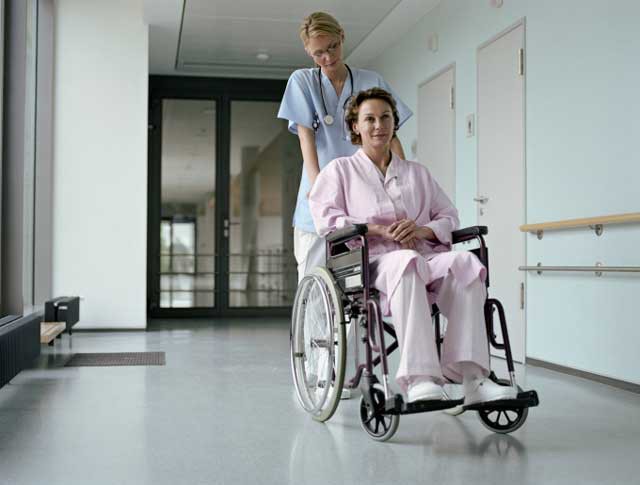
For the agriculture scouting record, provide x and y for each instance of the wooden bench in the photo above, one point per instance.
(50, 330)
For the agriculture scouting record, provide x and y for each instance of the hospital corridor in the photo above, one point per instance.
(319, 242)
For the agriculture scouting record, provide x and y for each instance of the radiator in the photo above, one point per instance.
(19, 344)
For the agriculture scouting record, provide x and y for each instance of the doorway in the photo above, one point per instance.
(501, 172)
(223, 175)
(436, 128)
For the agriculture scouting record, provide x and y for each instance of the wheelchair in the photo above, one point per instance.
(330, 299)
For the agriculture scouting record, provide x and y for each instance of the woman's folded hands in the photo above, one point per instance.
(404, 231)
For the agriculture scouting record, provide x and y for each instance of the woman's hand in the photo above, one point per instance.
(405, 232)
(379, 230)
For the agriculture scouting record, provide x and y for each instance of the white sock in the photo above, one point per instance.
(413, 380)
(472, 373)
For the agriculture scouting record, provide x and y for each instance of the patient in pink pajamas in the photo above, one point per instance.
(410, 220)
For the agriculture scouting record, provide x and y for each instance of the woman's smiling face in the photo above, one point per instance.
(375, 123)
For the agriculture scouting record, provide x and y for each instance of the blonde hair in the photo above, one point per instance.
(319, 23)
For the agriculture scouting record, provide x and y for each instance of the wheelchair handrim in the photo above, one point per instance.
(311, 405)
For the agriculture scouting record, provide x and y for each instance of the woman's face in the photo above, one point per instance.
(326, 51)
(375, 123)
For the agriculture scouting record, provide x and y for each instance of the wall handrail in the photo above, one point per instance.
(595, 223)
(598, 269)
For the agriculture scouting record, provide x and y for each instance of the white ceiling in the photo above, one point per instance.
(223, 37)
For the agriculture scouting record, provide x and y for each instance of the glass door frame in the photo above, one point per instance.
(223, 91)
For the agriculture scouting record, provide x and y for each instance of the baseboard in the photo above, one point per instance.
(627, 386)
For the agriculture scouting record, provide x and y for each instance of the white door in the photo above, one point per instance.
(436, 128)
(501, 174)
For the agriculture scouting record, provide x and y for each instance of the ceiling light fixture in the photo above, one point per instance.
(263, 56)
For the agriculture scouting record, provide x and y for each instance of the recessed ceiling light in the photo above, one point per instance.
(263, 56)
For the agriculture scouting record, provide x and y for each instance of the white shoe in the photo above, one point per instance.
(425, 391)
(346, 393)
(485, 390)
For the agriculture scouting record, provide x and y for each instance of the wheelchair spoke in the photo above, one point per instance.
(386, 422)
(501, 414)
(320, 343)
(378, 420)
(369, 419)
(317, 345)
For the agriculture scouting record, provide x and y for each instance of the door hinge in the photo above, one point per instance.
(452, 102)
(521, 61)
(521, 296)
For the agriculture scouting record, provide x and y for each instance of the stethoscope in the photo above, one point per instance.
(327, 118)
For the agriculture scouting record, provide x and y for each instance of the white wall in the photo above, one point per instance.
(582, 159)
(100, 159)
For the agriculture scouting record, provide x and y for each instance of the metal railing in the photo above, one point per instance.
(264, 277)
(597, 269)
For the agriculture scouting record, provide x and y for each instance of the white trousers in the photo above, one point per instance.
(465, 339)
(309, 251)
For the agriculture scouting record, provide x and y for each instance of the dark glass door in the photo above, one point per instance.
(223, 179)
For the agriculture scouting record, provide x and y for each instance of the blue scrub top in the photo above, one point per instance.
(302, 105)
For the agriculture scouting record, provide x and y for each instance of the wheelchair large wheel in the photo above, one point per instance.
(504, 421)
(318, 344)
(379, 426)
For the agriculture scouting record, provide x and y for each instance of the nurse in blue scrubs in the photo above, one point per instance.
(314, 105)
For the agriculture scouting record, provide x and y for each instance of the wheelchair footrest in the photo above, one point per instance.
(525, 399)
(396, 405)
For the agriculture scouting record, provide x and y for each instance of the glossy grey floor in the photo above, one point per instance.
(222, 411)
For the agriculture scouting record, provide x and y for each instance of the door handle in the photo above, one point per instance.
(481, 199)
(227, 224)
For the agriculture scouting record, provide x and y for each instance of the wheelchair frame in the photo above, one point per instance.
(350, 270)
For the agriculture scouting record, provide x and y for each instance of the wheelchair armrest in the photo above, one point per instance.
(347, 233)
(468, 233)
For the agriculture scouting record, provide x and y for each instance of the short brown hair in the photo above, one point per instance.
(319, 23)
(354, 107)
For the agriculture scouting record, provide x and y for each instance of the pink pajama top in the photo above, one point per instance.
(352, 190)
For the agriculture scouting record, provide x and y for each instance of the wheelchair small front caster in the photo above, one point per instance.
(378, 425)
(504, 420)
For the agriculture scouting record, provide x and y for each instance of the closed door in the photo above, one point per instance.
(501, 173)
(436, 129)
